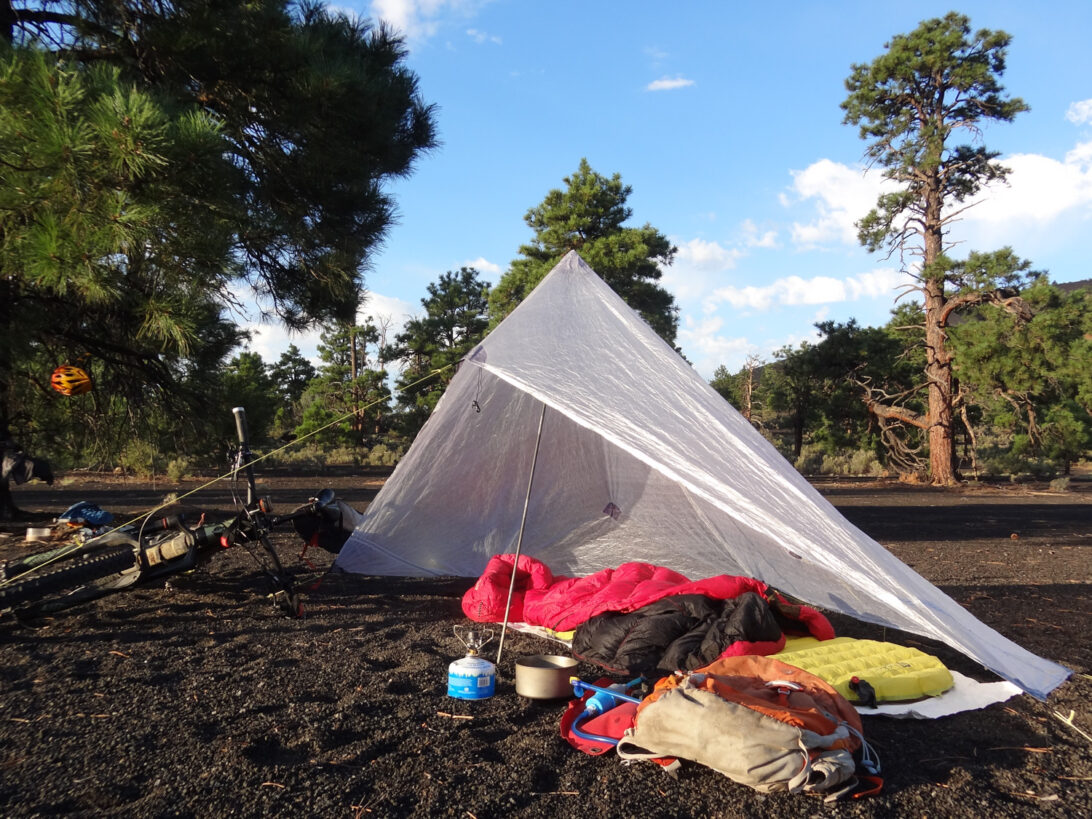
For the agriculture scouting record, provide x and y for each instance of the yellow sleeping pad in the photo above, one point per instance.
(895, 672)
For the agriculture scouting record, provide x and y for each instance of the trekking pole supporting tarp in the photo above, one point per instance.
(519, 540)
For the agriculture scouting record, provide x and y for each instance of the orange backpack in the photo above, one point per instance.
(758, 721)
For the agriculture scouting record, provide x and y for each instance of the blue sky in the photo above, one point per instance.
(724, 118)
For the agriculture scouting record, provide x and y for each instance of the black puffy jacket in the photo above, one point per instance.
(681, 632)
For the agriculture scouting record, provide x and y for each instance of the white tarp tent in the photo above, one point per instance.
(637, 459)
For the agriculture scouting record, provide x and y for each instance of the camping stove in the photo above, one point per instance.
(472, 678)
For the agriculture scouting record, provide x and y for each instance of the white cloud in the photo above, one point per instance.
(1079, 112)
(752, 237)
(1039, 189)
(707, 349)
(707, 255)
(795, 290)
(698, 268)
(483, 265)
(482, 37)
(668, 84)
(378, 306)
(269, 340)
(422, 19)
(699, 264)
(843, 196)
(1080, 155)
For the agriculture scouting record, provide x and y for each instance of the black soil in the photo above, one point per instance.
(197, 699)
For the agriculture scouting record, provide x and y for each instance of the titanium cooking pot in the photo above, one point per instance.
(545, 676)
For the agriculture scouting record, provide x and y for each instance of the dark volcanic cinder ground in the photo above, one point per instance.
(198, 700)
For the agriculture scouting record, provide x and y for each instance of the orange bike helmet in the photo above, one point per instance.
(69, 380)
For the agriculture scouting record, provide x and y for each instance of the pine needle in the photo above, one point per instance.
(1069, 721)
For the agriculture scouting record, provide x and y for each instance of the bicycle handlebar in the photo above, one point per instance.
(144, 552)
(150, 527)
(240, 424)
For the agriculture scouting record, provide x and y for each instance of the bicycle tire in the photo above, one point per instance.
(282, 590)
(67, 576)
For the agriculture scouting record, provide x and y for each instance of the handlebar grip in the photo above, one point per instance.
(240, 423)
(163, 524)
(208, 535)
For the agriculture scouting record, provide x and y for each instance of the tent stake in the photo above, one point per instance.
(519, 540)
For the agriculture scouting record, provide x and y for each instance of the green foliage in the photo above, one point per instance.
(154, 155)
(727, 384)
(291, 375)
(983, 276)
(347, 400)
(382, 455)
(1059, 485)
(142, 459)
(179, 468)
(1028, 372)
(247, 384)
(809, 461)
(1022, 373)
(321, 424)
(309, 456)
(909, 102)
(316, 112)
(816, 459)
(588, 216)
(429, 347)
(88, 196)
(743, 390)
(72, 140)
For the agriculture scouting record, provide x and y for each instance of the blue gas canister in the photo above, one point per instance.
(472, 678)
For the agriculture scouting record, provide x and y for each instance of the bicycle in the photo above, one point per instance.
(67, 576)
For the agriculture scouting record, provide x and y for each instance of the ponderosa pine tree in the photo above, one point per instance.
(85, 201)
(455, 320)
(350, 388)
(1031, 380)
(910, 104)
(229, 144)
(589, 216)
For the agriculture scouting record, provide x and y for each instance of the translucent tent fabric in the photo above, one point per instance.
(637, 459)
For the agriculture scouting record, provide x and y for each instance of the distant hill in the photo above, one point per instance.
(1069, 287)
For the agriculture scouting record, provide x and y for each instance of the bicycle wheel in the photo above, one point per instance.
(67, 575)
(282, 590)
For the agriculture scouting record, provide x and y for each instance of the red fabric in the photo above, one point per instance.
(763, 647)
(562, 603)
(485, 600)
(612, 723)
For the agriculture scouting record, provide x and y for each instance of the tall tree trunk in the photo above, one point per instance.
(938, 366)
(747, 389)
(797, 433)
(7, 21)
(938, 370)
(7, 363)
(357, 423)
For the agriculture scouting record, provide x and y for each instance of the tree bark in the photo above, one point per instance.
(938, 366)
(7, 21)
(938, 371)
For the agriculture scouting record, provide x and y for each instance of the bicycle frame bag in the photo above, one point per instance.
(758, 721)
(328, 529)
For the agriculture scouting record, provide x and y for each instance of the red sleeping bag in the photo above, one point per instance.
(563, 603)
